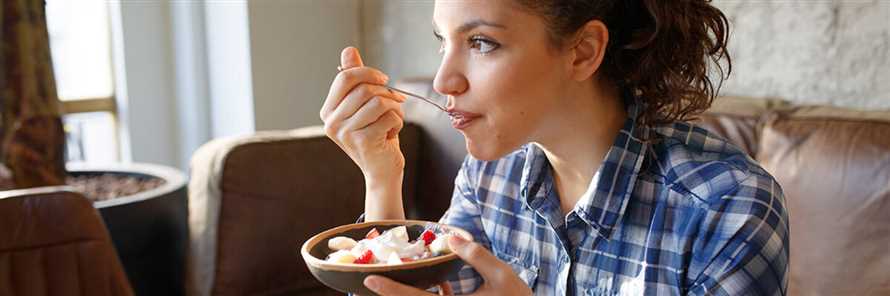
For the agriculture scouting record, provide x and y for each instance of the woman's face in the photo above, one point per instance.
(501, 76)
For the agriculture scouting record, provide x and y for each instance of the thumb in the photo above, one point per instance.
(474, 254)
(350, 58)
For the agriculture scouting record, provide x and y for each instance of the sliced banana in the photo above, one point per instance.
(341, 243)
(439, 245)
(342, 256)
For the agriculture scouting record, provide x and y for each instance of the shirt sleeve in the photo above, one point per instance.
(742, 245)
(465, 213)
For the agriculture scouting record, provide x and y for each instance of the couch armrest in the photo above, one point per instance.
(254, 200)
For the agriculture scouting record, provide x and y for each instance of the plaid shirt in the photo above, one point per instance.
(682, 213)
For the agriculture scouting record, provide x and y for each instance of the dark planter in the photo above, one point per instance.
(149, 229)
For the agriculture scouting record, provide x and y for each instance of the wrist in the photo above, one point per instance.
(383, 199)
(384, 183)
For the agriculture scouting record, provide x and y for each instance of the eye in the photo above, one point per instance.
(483, 44)
(441, 41)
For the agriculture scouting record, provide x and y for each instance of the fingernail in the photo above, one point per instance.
(372, 283)
(457, 241)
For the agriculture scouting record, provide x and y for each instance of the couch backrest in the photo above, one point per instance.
(739, 120)
(254, 200)
(834, 165)
(53, 242)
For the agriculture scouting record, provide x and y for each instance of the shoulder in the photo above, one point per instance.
(707, 168)
(738, 203)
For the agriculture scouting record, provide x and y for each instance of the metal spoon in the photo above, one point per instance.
(425, 99)
(417, 96)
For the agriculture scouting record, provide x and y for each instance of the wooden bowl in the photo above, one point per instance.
(348, 277)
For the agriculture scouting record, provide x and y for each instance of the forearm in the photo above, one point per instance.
(383, 199)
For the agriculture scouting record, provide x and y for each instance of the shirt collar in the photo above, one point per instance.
(606, 200)
(536, 181)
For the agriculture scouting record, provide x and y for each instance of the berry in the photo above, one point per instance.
(366, 258)
(428, 237)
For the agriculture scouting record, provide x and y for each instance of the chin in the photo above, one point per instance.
(488, 150)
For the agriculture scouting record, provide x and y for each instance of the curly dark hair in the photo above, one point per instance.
(660, 51)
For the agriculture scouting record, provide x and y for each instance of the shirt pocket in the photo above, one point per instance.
(524, 269)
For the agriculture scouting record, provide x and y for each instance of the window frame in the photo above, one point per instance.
(105, 104)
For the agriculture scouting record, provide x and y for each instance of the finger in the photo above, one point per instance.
(395, 123)
(486, 264)
(389, 125)
(358, 98)
(445, 289)
(372, 113)
(385, 286)
(350, 58)
(345, 82)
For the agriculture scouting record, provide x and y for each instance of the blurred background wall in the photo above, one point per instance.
(295, 53)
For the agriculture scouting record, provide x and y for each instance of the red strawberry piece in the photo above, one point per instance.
(427, 236)
(366, 257)
(372, 234)
(406, 259)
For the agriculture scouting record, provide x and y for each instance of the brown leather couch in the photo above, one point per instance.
(53, 242)
(255, 199)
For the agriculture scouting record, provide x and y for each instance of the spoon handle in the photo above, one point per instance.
(417, 96)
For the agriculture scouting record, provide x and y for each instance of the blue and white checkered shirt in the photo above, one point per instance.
(682, 213)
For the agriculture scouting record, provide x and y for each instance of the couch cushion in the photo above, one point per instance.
(834, 166)
(272, 191)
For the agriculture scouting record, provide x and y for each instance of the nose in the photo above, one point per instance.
(450, 81)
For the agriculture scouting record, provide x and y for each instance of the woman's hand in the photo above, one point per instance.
(498, 276)
(364, 118)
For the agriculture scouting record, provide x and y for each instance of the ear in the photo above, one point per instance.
(589, 49)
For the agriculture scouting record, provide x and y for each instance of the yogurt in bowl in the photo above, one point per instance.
(392, 247)
(399, 252)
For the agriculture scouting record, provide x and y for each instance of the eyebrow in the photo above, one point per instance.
(466, 27)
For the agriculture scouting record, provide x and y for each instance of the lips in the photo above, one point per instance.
(462, 119)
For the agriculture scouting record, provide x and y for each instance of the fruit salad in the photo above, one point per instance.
(391, 247)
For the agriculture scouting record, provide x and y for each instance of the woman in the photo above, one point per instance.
(582, 178)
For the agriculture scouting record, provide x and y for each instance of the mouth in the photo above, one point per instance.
(461, 119)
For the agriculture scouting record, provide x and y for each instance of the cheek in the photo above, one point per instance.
(496, 137)
(518, 95)
(514, 100)
(518, 116)
(511, 118)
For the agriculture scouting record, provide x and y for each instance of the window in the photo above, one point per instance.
(80, 42)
